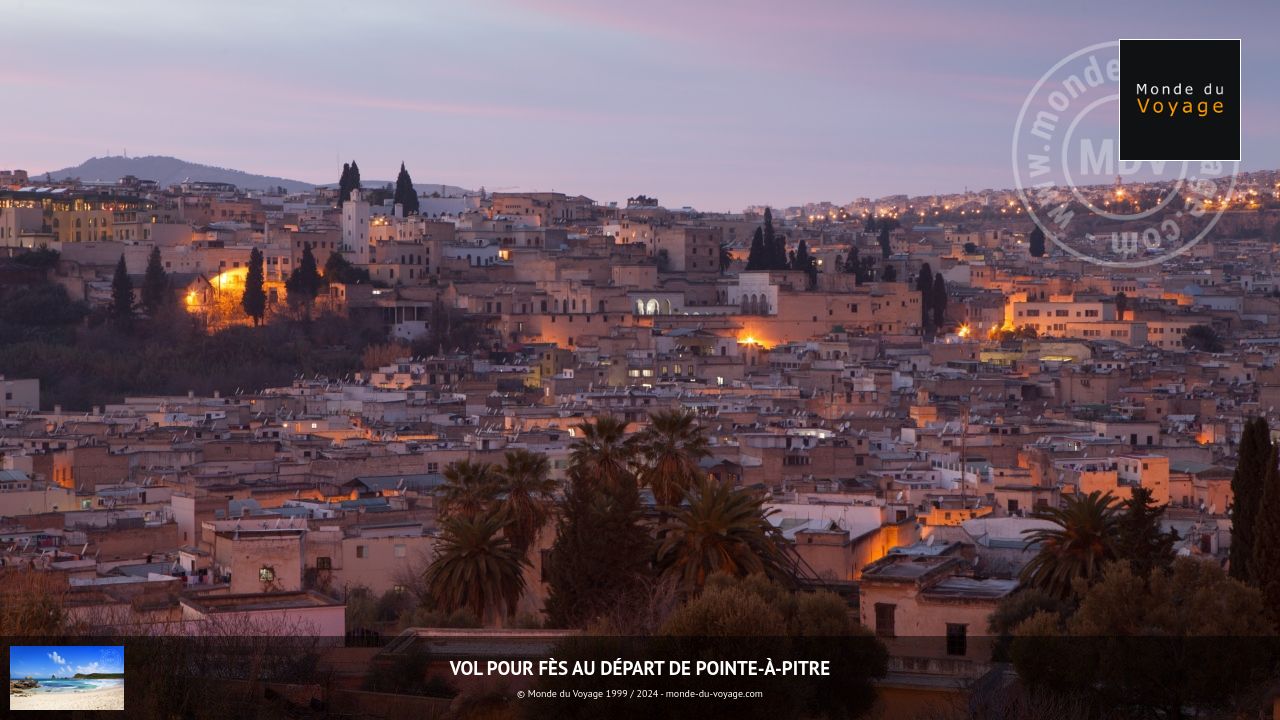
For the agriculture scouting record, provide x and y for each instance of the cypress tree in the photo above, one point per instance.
(355, 176)
(939, 300)
(1141, 541)
(344, 183)
(1246, 488)
(254, 300)
(885, 249)
(756, 259)
(781, 258)
(851, 262)
(405, 195)
(924, 285)
(121, 307)
(1265, 564)
(601, 555)
(1036, 242)
(775, 247)
(155, 284)
(924, 280)
(304, 282)
(802, 258)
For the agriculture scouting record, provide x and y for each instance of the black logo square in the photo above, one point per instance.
(1180, 100)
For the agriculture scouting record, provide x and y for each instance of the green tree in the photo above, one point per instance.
(602, 555)
(775, 246)
(1016, 609)
(469, 488)
(526, 495)
(970, 249)
(40, 257)
(254, 299)
(155, 284)
(1083, 541)
(1035, 242)
(728, 609)
(1266, 541)
(890, 273)
(1190, 637)
(720, 529)
(1139, 539)
(924, 285)
(337, 269)
(601, 454)
(1246, 489)
(121, 306)
(1122, 303)
(756, 259)
(304, 283)
(938, 300)
(476, 567)
(886, 249)
(737, 617)
(349, 181)
(1203, 338)
(406, 196)
(671, 448)
(344, 183)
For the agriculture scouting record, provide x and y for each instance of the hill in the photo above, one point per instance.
(170, 171)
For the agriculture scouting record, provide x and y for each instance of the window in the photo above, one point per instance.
(399, 551)
(360, 551)
(957, 639)
(324, 563)
(267, 574)
(884, 619)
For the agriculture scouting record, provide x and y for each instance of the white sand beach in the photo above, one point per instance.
(109, 698)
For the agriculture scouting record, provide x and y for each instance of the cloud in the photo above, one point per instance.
(93, 667)
(54, 656)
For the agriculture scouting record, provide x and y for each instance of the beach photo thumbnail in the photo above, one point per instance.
(66, 677)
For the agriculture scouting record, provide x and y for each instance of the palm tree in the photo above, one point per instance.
(720, 529)
(602, 454)
(476, 566)
(671, 447)
(469, 488)
(526, 495)
(1083, 541)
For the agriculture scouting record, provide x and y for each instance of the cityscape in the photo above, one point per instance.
(365, 446)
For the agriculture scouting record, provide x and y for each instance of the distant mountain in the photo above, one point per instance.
(168, 171)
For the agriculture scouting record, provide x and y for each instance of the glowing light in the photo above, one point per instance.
(964, 331)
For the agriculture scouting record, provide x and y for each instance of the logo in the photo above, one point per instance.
(1180, 99)
(1085, 199)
